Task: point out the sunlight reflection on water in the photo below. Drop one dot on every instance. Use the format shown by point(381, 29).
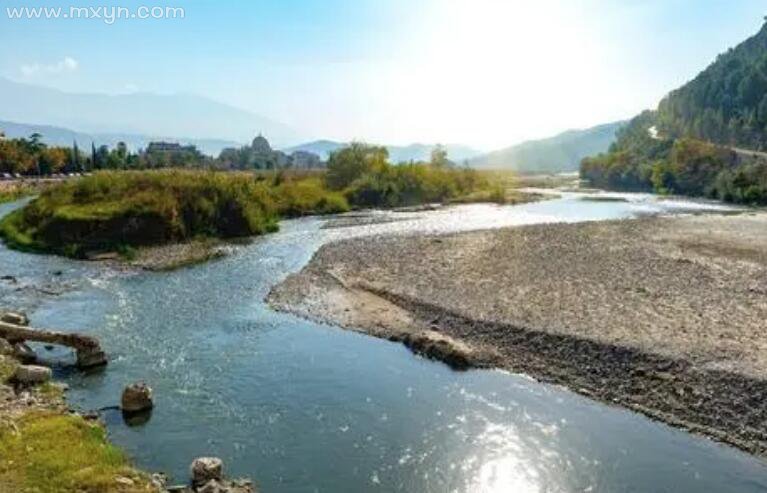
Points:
point(306, 407)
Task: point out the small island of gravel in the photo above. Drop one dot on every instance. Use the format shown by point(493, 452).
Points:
point(664, 316)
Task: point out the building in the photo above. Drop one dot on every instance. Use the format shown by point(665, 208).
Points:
point(261, 146)
point(172, 147)
point(260, 155)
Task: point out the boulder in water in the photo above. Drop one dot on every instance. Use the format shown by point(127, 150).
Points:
point(206, 469)
point(137, 397)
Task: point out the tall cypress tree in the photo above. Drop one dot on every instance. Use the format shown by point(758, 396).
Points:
point(93, 155)
point(75, 157)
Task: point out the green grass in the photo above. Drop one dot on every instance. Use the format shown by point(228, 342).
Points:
point(53, 453)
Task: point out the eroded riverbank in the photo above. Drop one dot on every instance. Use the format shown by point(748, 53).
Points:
point(664, 316)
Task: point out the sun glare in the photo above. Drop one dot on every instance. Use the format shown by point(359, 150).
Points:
point(492, 69)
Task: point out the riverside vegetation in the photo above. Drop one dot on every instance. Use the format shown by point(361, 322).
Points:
point(693, 144)
point(120, 211)
point(46, 449)
point(684, 166)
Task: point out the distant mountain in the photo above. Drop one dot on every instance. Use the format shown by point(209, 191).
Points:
point(412, 152)
point(65, 137)
point(177, 115)
point(322, 148)
point(727, 102)
point(561, 153)
point(422, 152)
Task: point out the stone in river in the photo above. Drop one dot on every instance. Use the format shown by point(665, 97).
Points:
point(137, 397)
point(205, 469)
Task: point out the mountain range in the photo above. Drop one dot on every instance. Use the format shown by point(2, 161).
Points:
point(560, 153)
point(140, 118)
point(173, 115)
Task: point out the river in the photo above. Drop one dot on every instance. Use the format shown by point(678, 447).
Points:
point(304, 407)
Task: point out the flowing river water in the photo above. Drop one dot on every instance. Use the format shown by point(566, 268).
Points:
point(303, 407)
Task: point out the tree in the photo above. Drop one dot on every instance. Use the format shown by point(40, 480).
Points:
point(351, 163)
point(439, 157)
point(53, 160)
point(35, 143)
point(93, 155)
point(75, 162)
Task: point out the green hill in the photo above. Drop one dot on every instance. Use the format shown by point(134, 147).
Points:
point(693, 144)
point(727, 102)
point(555, 154)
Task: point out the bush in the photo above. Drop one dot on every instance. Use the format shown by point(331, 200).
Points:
point(352, 163)
point(307, 196)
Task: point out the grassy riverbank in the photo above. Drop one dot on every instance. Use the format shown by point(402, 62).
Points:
point(45, 449)
point(124, 212)
point(662, 315)
point(116, 211)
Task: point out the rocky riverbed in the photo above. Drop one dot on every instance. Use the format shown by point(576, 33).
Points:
point(664, 316)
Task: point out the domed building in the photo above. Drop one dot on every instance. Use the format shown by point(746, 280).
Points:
point(260, 155)
point(261, 145)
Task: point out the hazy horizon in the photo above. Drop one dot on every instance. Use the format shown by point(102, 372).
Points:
point(485, 74)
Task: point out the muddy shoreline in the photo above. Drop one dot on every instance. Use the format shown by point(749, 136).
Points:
point(664, 316)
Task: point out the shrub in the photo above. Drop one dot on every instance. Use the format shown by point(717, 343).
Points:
point(307, 196)
point(410, 184)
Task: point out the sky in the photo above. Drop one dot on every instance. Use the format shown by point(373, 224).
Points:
point(486, 73)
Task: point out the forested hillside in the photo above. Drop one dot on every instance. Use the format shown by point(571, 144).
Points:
point(727, 102)
point(690, 144)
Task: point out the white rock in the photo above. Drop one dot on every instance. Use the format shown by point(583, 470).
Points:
point(14, 318)
point(124, 481)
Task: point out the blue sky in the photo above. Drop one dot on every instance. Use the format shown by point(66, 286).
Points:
point(487, 73)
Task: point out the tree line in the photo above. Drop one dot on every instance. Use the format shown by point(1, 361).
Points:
point(31, 156)
point(637, 161)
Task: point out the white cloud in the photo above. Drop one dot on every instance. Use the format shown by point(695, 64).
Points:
point(65, 65)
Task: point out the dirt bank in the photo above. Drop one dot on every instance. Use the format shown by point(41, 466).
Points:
point(665, 316)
